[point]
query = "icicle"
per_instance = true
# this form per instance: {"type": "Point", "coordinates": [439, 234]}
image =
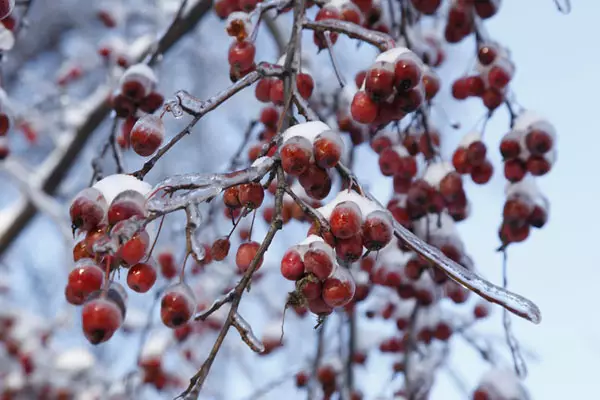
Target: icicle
{"type": "Point", "coordinates": [511, 301]}
{"type": "Point", "coordinates": [198, 188]}
{"type": "Point", "coordinates": [246, 333]}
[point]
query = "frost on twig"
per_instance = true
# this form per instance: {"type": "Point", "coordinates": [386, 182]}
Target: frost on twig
{"type": "Point", "coordinates": [179, 191]}
{"type": "Point", "coordinates": [247, 334]}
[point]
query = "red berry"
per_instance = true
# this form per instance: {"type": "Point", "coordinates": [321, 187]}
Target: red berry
{"type": "Point", "coordinates": [316, 182]}
{"type": "Point", "coordinates": [166, 261]}
{"type": "Point", "coordinates": [263, 90]}
{"type": "Point", "coordinates": [295, 155]}
{"type": "Point", "coordinates": [269, 117]}
{"type": "Point", "coordinates": [350, 249]}
{"type": "Point", "coordinates": [177, 305]}
{"type": "Point", "coordinates": [241, 55]}
{"type": "Point", "coordinates": [292, 266]}
{"type": "Point", "coordinates": [345, 220]}
{"type": "Point", "coordinates": [141, 277]}
{"type": "Point", "coordinates": [460, 88]}
{"type": "Point", "coordinates": [492, 99]}
{"type": "Point", "coordinates": [363, 109]}
{"type": "Point", "coordinates": [231, 197]}
{"type": "Point", "coordinates": [338, 292]}
{"type": "Point", "coordinates": [482, 173]}
{"type": "Point", "coordinates": [487, 54]}
{"type": "Point", "coordinates": [377, 230]}
{"type": "Point", "coordinates": [305, 85]}
{"type": "Point", "coordinates": [498, 77]}
{"type": "Point", "coordinates": [147, 135]}
{"type": "Point", "coordinates": [276, 92]}
{"type": "Point", "coordinates": [245, 254]}
{"type": "Point", "coordinates": [407, 74]}
{"type": "Point", "coordinates": [84, 279]}
{"type": "Point", "coordinates": [132, 251]}
{"type": "Point", "coordinates": [220, 248]}
{"type": "Point", "coordinates": [514, 170]}
{"type": "Point", "coordinates": [319, 260]}
{"type": "Point", "coordinates": [538, 166]}
{"type": "Point", "coordinates": [538, 142]}
{"type": "Point", "coordinates": [327, 149]}
{"type": "Point", "coordinates": [476, 153]}
{"type": "Point", "coordinates": [127, 204]}
{"type": "Point", "coordinates": [379, 81]}
{"type": "Point", "coordinates": [88, 209]}
{"type": "Point", "coordinates": [152, 102]}
{"type": "Point", "coordinates": [251, 194]}
{"type": "Point", "coordinates": [100, 320]}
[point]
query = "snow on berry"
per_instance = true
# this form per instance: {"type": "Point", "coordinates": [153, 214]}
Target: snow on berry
{"type": "Point", "coordinates": [113, 185]}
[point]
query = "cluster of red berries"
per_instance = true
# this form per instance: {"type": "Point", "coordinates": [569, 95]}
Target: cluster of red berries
{"type": "Point", "coordinates": [395, 85]}
{"type": "Point", "coordinates": [308, 151]}
{"type": "Point", "coordinates": [495, 71]}
{"type": "Point", "coordinates": [525, 207]}
{"type": "Point", "coordinates": [470, 158]}
{"type": "Point", "coordinates": [137, 97]}
{"type": "Point", "coordinates": [461, 15]}
{"type": "Point", "coordinates": [97, 255]}
{"type": "Point", "coordinates": [528, 147]}
{"type": "Point", "coordinates": [271, 90]}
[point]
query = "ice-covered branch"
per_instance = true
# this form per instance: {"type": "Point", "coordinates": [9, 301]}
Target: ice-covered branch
{"type": "Point", "coordinates": [380, 40]}
{"type": "Point", "coordinates": [198, 188]}
{"type": "Point", "coordinates": [246, 333]}
{"type": "Point", "coordinates": [197, 381]}
{"type": "Point", "coordinates": [513, 302]}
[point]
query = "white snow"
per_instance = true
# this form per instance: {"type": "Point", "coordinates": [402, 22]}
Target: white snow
{"type": "Point", "coordinates": [310, 130]}
{"type": "Point", "coordinates": [112, 185]}
{"type": "Point", "coordinates": [74, 360]}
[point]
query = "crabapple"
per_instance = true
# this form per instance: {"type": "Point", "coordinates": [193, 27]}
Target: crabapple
{"type": "Point", "coordinates": [263, 89]}
{"type": "Point", "coordinates": [377, 230]}
{"type": "Point", "coordinates": [538, 217]}
{"type": "Point", "coordinates": [316, 182]}
{"type": "Point", "coordinates": [538, 166]}
{"type": "Point", "coordinates": [350, 249]}
{"type": "Point", "coordinates": [141, 276]}
{"type": "Point", "coordinates": [246, 254]}
{"type": "Point", "coordinates": [345, 220]}
{"type": "Point", "coordinates": [177, 305]}
{"type": "Point", "coordinates": [251, 194]}
{"type": "Point", "coordinates": [147, 135]}
{"type": "Point", "coordinates": [231, 197]}
{"type": "Point", "coordinates": [379, 80]}
{"type": "Point", "coordinates": [514, 170]}
{"type": "Point", "coordinates": [220, 248]}
{"type": "Point", "coordinates": [88, 209]}
{"type": "Point", "coordinates": [295, 155]}
{"type": "Point", "coordinates": [327, 149]}
{"type": "Point", "coordinates": [427, 7]}
{"type": "Point", "coordinates": [482, 173]}
{"type": "Point", "coordinates": [152, 102]}
{"type": "Point", "coordinates": [318, 259]}
{"type": "Point", "coordinates": [451, 186]}
{"type": "Point", "coordinates": [292, 266]}
{"type": "Point", "coordinates": [338, 290]}
{"type": "Point", "coordinates": [310, 287]}
{"type": "Point", "coordinates": [241, 55]}
{"type": "Point", "coordinates": [460, 88]}
{"type": "Point", "coordinates": [127, 204]}
{"type": "Point", "coordinates": [319, 307]}
{"type": "Point", "coordinates": [363, 108]}
{"type": "Point", "coordinates": [166, 261]}
{"type": "Point", "coordinates": [407, 74]}
{"type": "Point", "coordinates": [100, 317]}
{"type": "Point", "coordinates": [538, 142]}
{"type": "Point", "coordinates": [86, 278]}
{"type": "Point", "coordinates": [487, 54]}
{"type": "Point", "coordinates": [305, 85]}
{"type": "Point", "coordinates": [510, 148]}
{"type": "Point", "coordinates": [476, 153]}
{"type": "Point", "coordinates": [133, 250]}
{"type": "Point", "coordinates": [389, 162]}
